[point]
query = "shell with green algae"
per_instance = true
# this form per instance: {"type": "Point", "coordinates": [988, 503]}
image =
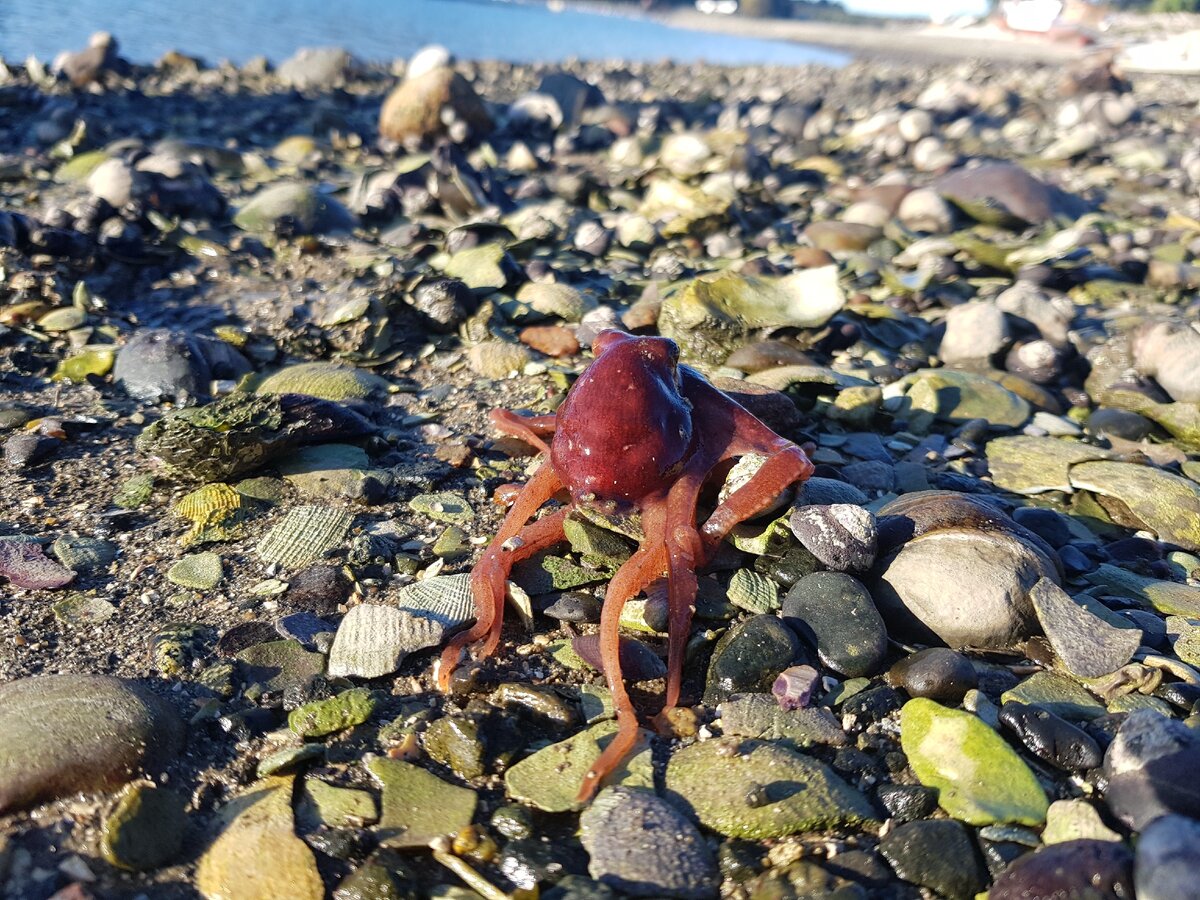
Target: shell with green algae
{"type": "Point", "coordinates": [239, 433]}
{"type": "Point", "coordinates": [217, 513]}
{"type": "Point", "coordinates": [327, 381]}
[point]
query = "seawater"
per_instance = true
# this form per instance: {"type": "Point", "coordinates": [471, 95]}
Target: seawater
{"type": "Point", "coordinates": [238, 30]}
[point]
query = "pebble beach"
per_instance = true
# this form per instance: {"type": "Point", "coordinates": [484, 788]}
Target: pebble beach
{"type": "Point", "coordinates": [254, 316]}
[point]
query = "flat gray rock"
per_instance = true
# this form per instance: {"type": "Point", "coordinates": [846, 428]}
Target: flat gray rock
{"type": "Point", "coordinates": [1089, 646]}
{"type": "Point", "coordinates": [373, 641]}
{"type": "Point", "coordinates": [65, 733]}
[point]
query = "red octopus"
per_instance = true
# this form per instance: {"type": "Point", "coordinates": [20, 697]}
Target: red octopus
{"type": "Point", "coordinates": [637, 431]}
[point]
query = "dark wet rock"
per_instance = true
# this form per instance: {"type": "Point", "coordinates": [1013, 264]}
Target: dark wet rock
{"type": "Point", "coordinates": [576, 607]}
{"type": "Point", "coordinates": [1051, 738]}
{"type": "Point", "coordinates": [641, 845]}
{"type": "Point", "coordinates": [842, 536]}
{"type": "Point", "coordinates": [749, 656]}
{"type": "Point", "coordinates": [835, 612]}
{"type": "Point", "coordinates": [444, 302]}
{"type": "Point", "coordinates": [1004, 193]}
{"type": "Point", "coordinates": [1119, 423]}
{"type": "Point", "coordinates": [937, 855]}
{"type": "Point", "coordinates": [576, 887]}
{"type": "Point", "coordinates": [638, 661]}
{"type": "Point", "coordinates": [65, 733]}
{"type": "Point", "coordinates": [1048, 524]}
{"type": "Point", "coordinates": [303, 627]}
{"type": "Point", "coordinates": [818, 491]}
{"type": "Point", "coordinates": [1150, 767]}
{"type": "Point", "coordinates": [1073, 870]}
{"type": "Point", "coordinates": [872, 475]}
{"type": "Point", "coordinates": [932, 540]}
{"type": "Point", "coordinates": [157, 364]}
{"type": "Point", "coordinates": [243, 635]}
{"type": "Point", "coordinates": [527, 861]}
{"type": "Point", "coordinates": [146, 828]}
{"type": "Point", "coordinates": [318, 589]}
{"type": "Point", "coordinates": [416, 109]}
{"type": "Point", "coordinates": [1167, 859]}
{"type": "Point", "coordinates": [936, 673]}
{"type": "Point", "coordinates": [907, 802]}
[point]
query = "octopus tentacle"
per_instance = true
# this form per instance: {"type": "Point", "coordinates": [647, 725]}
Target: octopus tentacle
{"type": "Point", "coordinates": [513, 542]}
{"type": "Point", "coordinates": [685, 552]}
{"type": "Point", "coordinates": [530, 429]}
{"type": "Point", "coordinates": [786, 465]}
{"type": "Point", "coordinates": [638, 571]}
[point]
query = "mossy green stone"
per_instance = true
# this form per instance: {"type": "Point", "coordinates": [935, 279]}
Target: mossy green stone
{"type": "Point", "coordinates": [335, 807]}
{"type": "Point", "coordinates": [1167, 597]}
{"type": "Point", "coordinates": [594, 543]}
{"type": "Point", "coordinates": [299, 208]}
{"type": "Point", "coordinates": [554, 573]}
{"type": "Point", "coordinates": [79, 166]}
{"type": "Point", "coordinates": [145, 830]}
{"type": "Point", "coordinates": [979, 778]}
{"type": "Point", "coordinates": [550, 779]}
{"type": "Point", "coordinates": [135, 492]}
{"type": "Point", "coordinates": [957, 397]}
{"type": "Point", "coordinates": [322, 717]}
{"type": "Point", "coordinates": [456, 742]}
{"type": "Point", "coordinates": [416, 805]}
{"type": "Point", "coordinates": [90, 361]}
{"type": "Point", "coordinates": [199, 571]}
{"type": "Point", "coordinates": [289, 758]}
{"type": "Point", "coordinates": [84, 554]}
{"type": "Point", "coordinates": [480, 268]}
{"type": "Point", "coordinates": [1032, 465]}
{"type": "Point", "coordinates": [326, 381]}
{"type": "Point", "coordinates": [1166, 504]}
{"type": "Point", "coordinates": [757, 789]}
{"type": "Point", "coordinates": [79, 609]}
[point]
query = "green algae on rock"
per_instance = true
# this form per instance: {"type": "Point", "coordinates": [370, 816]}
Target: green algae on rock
{"type": "Point", "coordinates": [1032, 465]}
{"type": "Point", "coordinates": [417, 806]}
{"type": "Point", "coordinates": [323, 717]}
{"type": "Point", "coordinates": [755, 789]}
{"type": "Point", "coordinates": [199, 571]}
{"type": "Point", "coordinates": [712, 316]}
{"type": "Point", "coordinates": [1168, 505]}
{"type": "Point", "coordinates": [323, 380]}
{"type": "Point", "coordinates": [237, 434]}
{"type": "Point", "coordinates": [979, 778]}
{"type": "Point", "coordinates": [550, 779]}
{"type": "Point", "coordinates": [292, 209]}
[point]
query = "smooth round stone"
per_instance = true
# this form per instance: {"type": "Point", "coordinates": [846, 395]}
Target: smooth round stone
{"type": "Point", "coordinates": [749, 657]}
{"type": "Point", "coordinates": [936, 673]}
{"type": "Point", "coordinates": [1051, 738]}
{"type": "Point", "coordinates": [1048, 524]}
{"type": "Point", "coordinates": [1168, 859]}
{"type": "Point", "coordinates": [160, 364]}
{"type": "Point", "coordinates": [65, 733]}
{"type": "Point", "coordinates": [1073, 870]}
{"type": "Point", "coordinates": [974, 331]}
{"type": "Point", "coordinates": [641, 845]}
{"type": "Point", "coordinates": [836, 613]}
{"type": "Point", "coordinates": [871, 475]}
{"type": "Point", "coordinates": [843, 536]}
{"type": "Point", "coordinates": [939, 855]}
{"type": "Point", "coordinates": [1151, 768]}
{"type": "Point", "coordinates": [1119, 423]}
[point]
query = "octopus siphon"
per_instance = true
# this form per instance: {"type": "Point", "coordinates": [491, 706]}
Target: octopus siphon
{"type": "Point", "coordinates": [637, 432]}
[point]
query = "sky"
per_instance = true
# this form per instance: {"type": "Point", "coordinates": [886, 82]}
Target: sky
{"type": "Point", "coordinates": [928, 8]}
